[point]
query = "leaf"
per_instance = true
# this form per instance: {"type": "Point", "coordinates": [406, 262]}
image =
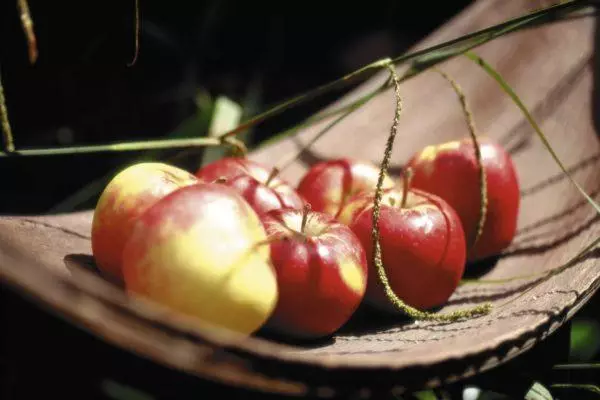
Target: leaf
{"type": "Point", "coordinates": [538, 392]}
{"type": "Point", "coordinates": [226, 116]}
{"type": "Point", "coordinates": [425, 395]}
{"type": "Point", "coordinates": [585, 340]}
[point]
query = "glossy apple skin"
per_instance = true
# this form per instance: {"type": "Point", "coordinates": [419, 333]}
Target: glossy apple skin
{"type": "Point", "coordinates": [263, 198]}
{"type": "Point", "coordinates": [422, 245]}
{"type": "Point", "coordinates": [123, 200]}
{"type": "Point", "coordinates": [196, 251]}
{"type": "Point", "coordinates": [328, 185]}
{"type": "Point", "coordinates": [450, 171]}
{"type": "Point", "coordinates": [249, 178]}
{"type": "Point", "coordinates": [322, 275]}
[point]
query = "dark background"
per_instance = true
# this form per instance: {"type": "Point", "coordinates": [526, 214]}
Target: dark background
{"type": "Point", "coordinates": [81, 91]}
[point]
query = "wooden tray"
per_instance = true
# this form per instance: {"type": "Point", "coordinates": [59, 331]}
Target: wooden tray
{"type": "Point", "coordinates": [552, 68]}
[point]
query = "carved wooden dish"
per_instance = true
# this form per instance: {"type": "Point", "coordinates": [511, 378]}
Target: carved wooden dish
{"type": "Point", "coordinates": [553, 69]}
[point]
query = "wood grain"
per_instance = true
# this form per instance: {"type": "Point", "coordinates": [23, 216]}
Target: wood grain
{"type": "Point", "coordinates": [553, 69]}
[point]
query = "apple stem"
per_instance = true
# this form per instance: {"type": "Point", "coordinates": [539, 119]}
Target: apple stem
{"type": "Point", "coordinates": [473, 133]}
{"type": "Point", "coordinates": [305, 212]}
{"type": "Point", "coordinates": [406, 179]}
{"type": "Point", "coordinates": [377, 257]}
{"type": "Point", "coordinates": [272, 175]}
{"type": "Point", "coordinates": [7, 136]}
{"type": "Point", "coordinates": [220, 179]}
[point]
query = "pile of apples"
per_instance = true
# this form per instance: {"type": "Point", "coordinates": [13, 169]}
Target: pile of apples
{"type": "Point", "coordinates": [237, 246]}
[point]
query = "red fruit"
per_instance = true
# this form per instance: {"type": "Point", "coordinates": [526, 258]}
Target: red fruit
{"type": "Point", "coordinates": [449, 170]}
{"type": "Point", "coordinates": [422, 246]}
{"type": "Point", "coordinates": [321, 272]}
{"type": "Point", "coordinates": [252, 181]}
{"type": "Point", "coordinates": [328, 185]}
{"type": "Point", "coordinates": [123, 200]}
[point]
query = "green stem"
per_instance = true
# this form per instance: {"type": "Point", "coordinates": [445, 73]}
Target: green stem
{"type": "Point", "coordinates": [304, 97]}
{"type": "Point", "coordinates": [7, 137]}
{"type": "Point", "coordinates": [483, 198]}
{"type": "Point", "coordinates": [118, 147]}
{"type": "Point", "coordinates": [429, 56]}
{"type": "Point", "coordinates": [577, 366]}
{"type": "Point", "coordinates": [375, 234]}
{"type": "Point", "coordinates": [496, 76]}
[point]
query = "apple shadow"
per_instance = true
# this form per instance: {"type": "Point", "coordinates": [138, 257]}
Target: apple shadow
{"type": "Point", "coordinates": [518, 138]}
{"type": "Point", "coordinates": [76, 262]}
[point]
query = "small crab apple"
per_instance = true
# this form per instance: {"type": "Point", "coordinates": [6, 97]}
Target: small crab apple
{"type": "Point", "coordinates": [328, 185]}
{"type": "Point", "coordinates": [450, 171]}
{"type": "Point", "coordinates": [259, 186]}
{"type": "Point", "coordinates": [123, 200]}
{"type": "Point", "coordinates": [202, 251]}
{"type": "Point", "coordinates": [422, 246]}
{"type": "Point", "coordinates": [321, 272]}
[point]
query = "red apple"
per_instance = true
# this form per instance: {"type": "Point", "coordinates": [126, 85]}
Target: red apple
{"type": "Point", "coordinates": [202, 251]}
{"type": "Point", "coordinates": [422, 243]}
{"type": "Point", "coordinates": [321, 272]}
{"type": "Point", "coordinates": [450, 171]}
{"type": "Point", "coordinates": [263, 191]}
{"type": "Point", "coordinates": [127, 196]}
{"type": "Point", "coordinates": [327, 185]}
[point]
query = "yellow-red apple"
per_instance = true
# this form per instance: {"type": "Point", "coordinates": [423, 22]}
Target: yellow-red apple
{"type": "Point", "coordinates": [202, 252]}
{"type": "Point", "coordinates": [126, 197]}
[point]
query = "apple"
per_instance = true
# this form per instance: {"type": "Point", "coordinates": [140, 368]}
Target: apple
{"type": "Point", "coordinates": [423, 246]}
{"type": "Point", "coordinates": [327, 185]}
{"type": "Point", "coordinates": [202, 251]}
{"type": "Point", "coordinates": [124, 199]}
{"type": "Point", "coordinates": [259, 186]}
{"type": "Point", "coordinates": [449, 170]}
{"type": "Point", "coordinates": [321, 271]}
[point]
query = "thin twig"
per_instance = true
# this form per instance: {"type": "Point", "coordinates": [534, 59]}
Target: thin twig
{"type": "Point", "coordinates": [7, 138]}
{"type": "Point", "coordinates": [483, 197]}
{"type": "Point", "coordinates": [27, 24]}
{"type": "Point", "coordinates": [375, 234]}
{"type": "Point", "coordinates": [137, 33]}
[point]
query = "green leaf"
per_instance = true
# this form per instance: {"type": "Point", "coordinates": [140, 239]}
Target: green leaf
{"type": "Point", "coordinates": [585, 340]}
{"type": "Point", "coordinates": [425, 395]}
{"type": "Point", "coordinates": [538, 392]}
{"type": "Point", "coordinates": [226, 116]}
{"type": "Point", "coordinates": [589, 388]}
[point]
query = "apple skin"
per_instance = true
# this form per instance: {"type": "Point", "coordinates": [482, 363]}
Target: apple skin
{"type": "Point", "coordinates": [321, 273]}
{"type": "Point", "coordinates": [124, 199]}
{"type": "Point", "coordinates": [327, 185]}
{"type": "Point", "coordinates": [197, 251]}
{"type": "Point", "coordinates": [422, 246]}
{"type": "Point", "coordinates": [263, 198]}
{"type": "Point", "coordinates": [250, 178]}
{"type": "Point", "coordinates": [450, 171]}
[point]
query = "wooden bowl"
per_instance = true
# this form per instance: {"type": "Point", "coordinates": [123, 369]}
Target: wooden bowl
{"type": "Point", "coordinates": [553, 69]}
